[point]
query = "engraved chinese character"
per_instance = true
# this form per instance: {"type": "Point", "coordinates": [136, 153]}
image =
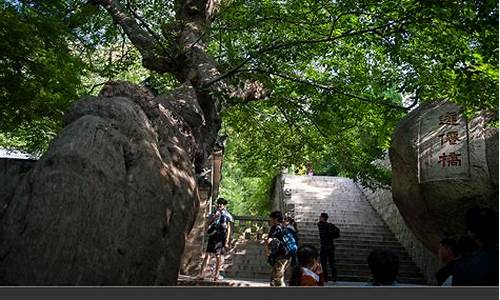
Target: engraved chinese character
{"type": "Point", "coordinates": [450, 160]}
{"type": "Point", "coordinates": [450, 137]}
{"type": "Point", "coordinates": [449, 118]}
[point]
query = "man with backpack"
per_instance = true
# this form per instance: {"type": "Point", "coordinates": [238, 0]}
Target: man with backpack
{"type": "Point", "coordinates": [282, 246]}
{"type": "Point", "coordinates": [219, 235]}
{"type": "Point", "coordinates": [327, 233]}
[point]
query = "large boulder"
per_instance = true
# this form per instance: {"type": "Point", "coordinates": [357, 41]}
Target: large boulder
{"type": "Point", "coordinates": [442, 165]}
{"type": "Point", "coordinates": [110, 202]}
{"type": "Point", "coordinates": [12, 171]}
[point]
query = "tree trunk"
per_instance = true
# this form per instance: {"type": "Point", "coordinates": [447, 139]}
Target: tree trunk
{"type": "Point", "coordinates": [111, 200]}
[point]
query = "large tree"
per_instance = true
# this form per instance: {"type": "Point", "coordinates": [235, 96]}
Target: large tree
{"type": "Point", "coordinates": [111, 200]}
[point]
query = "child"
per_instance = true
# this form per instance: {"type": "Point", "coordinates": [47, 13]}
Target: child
{"type": "Point", "coordinates": [308, 271]}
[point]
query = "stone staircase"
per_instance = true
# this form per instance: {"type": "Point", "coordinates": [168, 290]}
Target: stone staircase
{"type": "Point", "coordinates": [362, 230]}
{"type": "Point", "coordinates": [247, 260]}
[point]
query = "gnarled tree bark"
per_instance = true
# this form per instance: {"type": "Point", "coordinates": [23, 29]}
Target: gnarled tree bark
{"type": "Point", "coordinates": [112, 199]}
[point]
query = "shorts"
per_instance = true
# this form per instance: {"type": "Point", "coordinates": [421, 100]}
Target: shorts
{"type": "Point", "coordinates": [215, 245]}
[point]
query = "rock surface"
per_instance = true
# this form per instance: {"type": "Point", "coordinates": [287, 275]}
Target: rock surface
{"type": "Point", "coordinates": [435, 208]}
{"type": "Point", "coordinates": [111, 200]}
{"type": "Point", "coordinates": [12, 172]}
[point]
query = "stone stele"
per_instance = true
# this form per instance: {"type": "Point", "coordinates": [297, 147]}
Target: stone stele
{"type": "Point", "coordinates": [443, 164]}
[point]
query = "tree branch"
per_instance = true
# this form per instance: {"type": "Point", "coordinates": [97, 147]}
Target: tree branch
{"type": "Point", "coordinates": [351, 32]}
{"type": "Point", "coordinates": [142, 40]}
{"type": "Point", "coordinates": [145, 24]}
{"type": "Point", "coordinates": [329, 89]}
{"type": "Point", "coordinates": [316, 125]}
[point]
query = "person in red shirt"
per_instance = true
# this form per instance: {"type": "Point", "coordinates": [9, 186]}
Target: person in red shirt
{"type": "Point", "coordinates": [308, 272]}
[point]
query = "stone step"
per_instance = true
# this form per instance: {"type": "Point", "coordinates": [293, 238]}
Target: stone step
{"type": "Point", "coordinates": [367, 222]}
{"type": "Point", "coordinates": [328, 205]}
{"type": "Point", "coordinates": [314, 210]}
{"type": "Point", "coordinates": [361, 259]}
{"type": "Point", "coordinates": [347, 237]}
{"type": "Point", "coordinates": [340, 251]}
{"type": "Point", "coordinates": [344, 257]}
{"type": "Point", "coordinates": [341, 276]}
{"type": "Point", "coordinates": [249, 275]}
{"type": "Point", "coordinates": [336, 218]}
{"type": "Point", "coordinates": [339, 245]}
{"type": "Point", "coordinates": [350, 239]}
{"type": "Point", "coordinates": [367, 274]}
{"type": "Point", "coordinates": [249, 268]}
{"type": "Point", "coordinates": [405, 267]}
{"type": "Point", "coordinates": [354, 278]}
{"type": "Point", "coordinates": [354, 226]}
{"type": "Point", "coordinates": [190, 281]}
{"type": "Point", "coordinates": [348, 232]}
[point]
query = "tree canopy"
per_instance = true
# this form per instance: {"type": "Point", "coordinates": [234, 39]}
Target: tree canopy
{"type": "Point", "coordinates": [333, 77]}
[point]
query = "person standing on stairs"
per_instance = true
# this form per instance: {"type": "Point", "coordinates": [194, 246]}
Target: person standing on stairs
{"type": "Point", "coordinates": [290, 224]}
{"type": "Point", "coordinates": [327, 233]}
{"type": "Point", "coordinates": [219, 234]}
{"type": "Point", "coordinates": [481, 267]}
{"type": "Point", "coordinates": [277, 257]}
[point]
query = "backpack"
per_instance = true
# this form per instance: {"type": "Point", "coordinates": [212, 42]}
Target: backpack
{"type": "Point", "coordinates": [334, 231]}
{"type": "Point", "coordinates": [289, 242]}
{"type": "Point", "coordinates": [217, 228]}
{"type": "Point", "coordinates": [286, 246]}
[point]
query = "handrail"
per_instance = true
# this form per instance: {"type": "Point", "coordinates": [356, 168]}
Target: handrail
{"type": "Point", "coordinates": [251, 218]}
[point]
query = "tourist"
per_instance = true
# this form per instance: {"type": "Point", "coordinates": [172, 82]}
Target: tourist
{"type": "Point", "coordinates": [465, 247]}
{"type": "Point", "coordinates": [308, 271]}
{"type": "Point", "coordinates": [290, 224]}
{"type": "Point", "coordinates": [327, 233]}
{"type": "Point", "coordinates": [219, 233]}
{"type": "Point", "coordinates": [480, 268]}
{"type": "Point", "coordinates": [277, 257]}
{"type": "Point", "coordinates": [309, 169]}
{"type": "Point", "coordinates": [384, 266]}
{"type": "Point", "coordinates": [448, 254]}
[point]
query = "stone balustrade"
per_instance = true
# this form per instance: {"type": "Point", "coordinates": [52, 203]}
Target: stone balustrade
{"type": "Point", "coordinates": [250, 228]}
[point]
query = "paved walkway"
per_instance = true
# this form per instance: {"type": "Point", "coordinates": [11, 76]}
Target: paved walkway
{"type": "Point", "coordinates": [231, 282]}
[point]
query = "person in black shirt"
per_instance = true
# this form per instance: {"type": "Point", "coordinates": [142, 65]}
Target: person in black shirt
{"type": "Point", "coordinates": [480, 268]}
{"type": "Point", "coordinates": [277, 257]}
{"type": "Point", "coordinates": [219, 234]}
{"type": "Point", "coordinates": [448, 253]}
{"type": "Point", "coordinates": [327, 250]}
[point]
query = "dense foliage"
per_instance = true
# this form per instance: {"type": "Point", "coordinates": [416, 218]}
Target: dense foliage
{"type": "Point", "coordinates": [338, 74]}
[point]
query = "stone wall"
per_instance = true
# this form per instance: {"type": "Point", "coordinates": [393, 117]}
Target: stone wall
{"type": "Point", "coordinates": [382, 202]}
{"type": "Point", "coordinates": [195, 241]}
